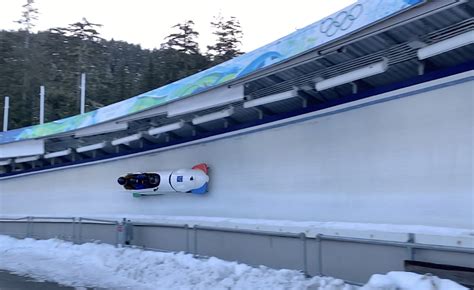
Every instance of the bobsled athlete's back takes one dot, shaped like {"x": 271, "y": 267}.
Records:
{"x": 139, "y": 180}
{"x": 153, "y": 179}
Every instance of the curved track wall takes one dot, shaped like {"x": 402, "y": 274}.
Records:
{"x": 405, "y": 160}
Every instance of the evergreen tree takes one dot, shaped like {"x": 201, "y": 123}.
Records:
{"x": 229, "y": 35}
{"x": 184, "y": 40}
{"x": 115, "y": 70}
{"x": 85, "y": 53}
{"x": 179, "y": 56}
{"x": 83, "y": 30}
{"x": 12, "y": 76}
{"x": 28, "y": 16}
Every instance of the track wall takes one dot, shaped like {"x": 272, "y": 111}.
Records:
{"x": 404, "y": 157}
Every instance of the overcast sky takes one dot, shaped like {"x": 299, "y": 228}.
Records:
{"x": 147, "y": 22}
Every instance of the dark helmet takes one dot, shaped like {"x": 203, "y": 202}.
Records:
{"x": 121, "y": 180}
{"x": 154, "y": 179}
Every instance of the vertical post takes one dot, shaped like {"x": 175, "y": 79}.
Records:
{"x": 354, "y": 88}
{"x": 79, "y": 235}
{"x": 411, "y": 240}
{"x": 128, "y": 231}
{"x": 195, "y": 229}
{"x": 421, "y": 68}
{"x": 83, "y": 93}
{"x": 5, "y": 113}
{"x": 186, "y": 229}
{"x": 305, "y": 254}
{"x": 29, "y": 226}
{"x": 73, "y": 236}
{"x": 41, "y": 119}
{"x": 319, "y": 241}
{"x": 120, "y": 230}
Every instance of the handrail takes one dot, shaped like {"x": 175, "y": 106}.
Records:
{"x": 13, "y": 219}
{"x": 398, "y": 244}
{"x": 164, "y": 225}
{"x": 80, "y": 219}
{"x": 52, "y": 218}
{"x": 251, "y": 232}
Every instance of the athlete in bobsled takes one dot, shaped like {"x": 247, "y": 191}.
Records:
{"x": 193, "y": 180}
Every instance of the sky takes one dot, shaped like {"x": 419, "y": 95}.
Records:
{"x": 148, "y": 22}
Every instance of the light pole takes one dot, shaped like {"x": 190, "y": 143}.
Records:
{"x": 5, "y": 113}
{"x": 83, "y": 93}
{"x": 41, "y": 104}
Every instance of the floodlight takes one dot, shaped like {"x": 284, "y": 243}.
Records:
{"x": 270, "y": 99}
{"x": 367, "y": 71}
{"x": 446, "y": 45}
{"x": 213, "y": 116}
{"x": 166, "y": 128}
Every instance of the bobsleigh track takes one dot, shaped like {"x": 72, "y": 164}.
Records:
{"x": 325, "y": 148}
{"x": 403, "y": 157}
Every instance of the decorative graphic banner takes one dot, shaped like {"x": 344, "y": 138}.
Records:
{"x": 350, "y": 19}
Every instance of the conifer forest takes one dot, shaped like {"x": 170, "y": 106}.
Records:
{"x": 115, "y": 70}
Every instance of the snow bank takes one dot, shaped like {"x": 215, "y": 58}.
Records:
{"x": 406, "y": 280}
{"x": 105, "y": 266}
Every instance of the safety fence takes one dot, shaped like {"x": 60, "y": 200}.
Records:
{"x": 351, "y": 259}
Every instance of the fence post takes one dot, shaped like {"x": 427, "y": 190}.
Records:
{"x": 195, "y": 229}
{"x": 29, "y": 226}
{"x": 120, "y": 233}
{"x": 128, "y": 232}
{"x": 79, "y": 238}
{"x": 319, "y": 241}
{"x": 186, "y": 229}
{"x": 305, "y": 260}
{"x": 411, "y": 240}
{"x": 73, "y": 237}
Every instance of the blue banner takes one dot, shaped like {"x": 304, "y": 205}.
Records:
{"x": 353, "y": 18}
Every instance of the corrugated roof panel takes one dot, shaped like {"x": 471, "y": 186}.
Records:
{"x": 393, "y": 44}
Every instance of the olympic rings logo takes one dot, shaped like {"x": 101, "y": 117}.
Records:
{"x": 342, "y": 21}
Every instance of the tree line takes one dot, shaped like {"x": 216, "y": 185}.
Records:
{"x": 116, "y": 70}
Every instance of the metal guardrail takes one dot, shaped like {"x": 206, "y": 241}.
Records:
{"x": 301, "y": 236}
{"x": 76, "y": 224}
{"x": 81, "y": 220}
{"x": 121, "y": 237}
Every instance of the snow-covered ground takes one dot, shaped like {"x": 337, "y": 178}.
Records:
{"x": 105, "y": 266}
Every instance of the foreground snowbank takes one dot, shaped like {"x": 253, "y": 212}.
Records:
{"x": 100, "y": 265}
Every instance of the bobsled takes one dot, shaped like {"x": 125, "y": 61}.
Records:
{"x": 194, "y": 180}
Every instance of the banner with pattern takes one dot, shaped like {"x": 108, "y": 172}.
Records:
{"x": 359, "y": 15}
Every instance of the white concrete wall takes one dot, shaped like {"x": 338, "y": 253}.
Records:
{"x": 404, "y": 161}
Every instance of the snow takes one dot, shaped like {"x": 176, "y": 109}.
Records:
{"x": 105, "y": 266}
{"x": 407, "y": 280}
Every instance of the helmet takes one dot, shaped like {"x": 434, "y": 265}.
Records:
{"x": 154, "y": 179}
{"x": 121, "y": 180}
